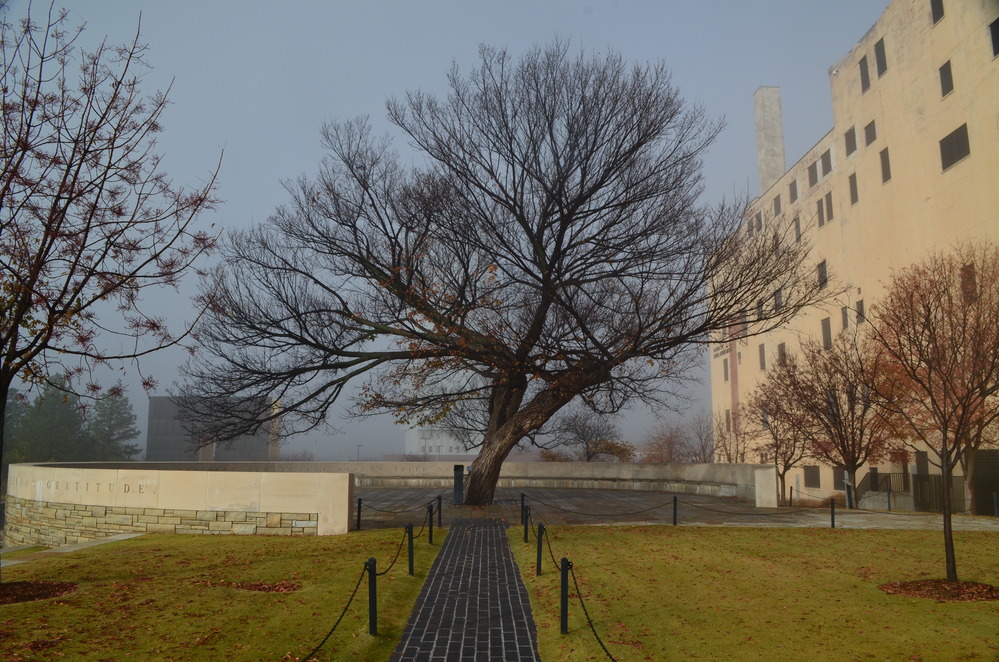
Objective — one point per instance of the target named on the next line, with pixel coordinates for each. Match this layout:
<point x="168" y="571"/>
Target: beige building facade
<point x="910" y="165"/>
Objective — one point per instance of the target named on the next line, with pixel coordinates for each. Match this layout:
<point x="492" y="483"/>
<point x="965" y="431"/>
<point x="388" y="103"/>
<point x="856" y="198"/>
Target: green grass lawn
<point x="167" y="597"/>
<point x="700" y="593"/>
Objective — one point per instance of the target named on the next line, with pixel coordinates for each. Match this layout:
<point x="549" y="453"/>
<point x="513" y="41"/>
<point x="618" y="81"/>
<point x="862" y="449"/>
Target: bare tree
<point x="88" y="220"/>
<point x="782" y="425"/>
<point x="666" y="443"/>
<point x="549" y="248"/>
<point x="938" y="334"/>
<point x="700" y="431"/>
<point x="582" y="436"/>
<point x="733" y="440"/>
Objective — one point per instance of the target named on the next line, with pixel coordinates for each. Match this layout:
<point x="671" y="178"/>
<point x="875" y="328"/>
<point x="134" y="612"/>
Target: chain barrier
<point x="342" y="614"/>
<point x="582" y="604"/>
<point x="551" y="552"/>
<point x="397" y="553"/>
<point x="422" y="528"/>
<point x="392" y="512"/>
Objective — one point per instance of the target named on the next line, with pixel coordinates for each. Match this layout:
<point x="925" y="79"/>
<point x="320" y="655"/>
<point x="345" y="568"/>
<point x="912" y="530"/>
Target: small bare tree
<point x="89" y="223"/>
<point x="937" y="332"/>
<point x="582" y="436"/>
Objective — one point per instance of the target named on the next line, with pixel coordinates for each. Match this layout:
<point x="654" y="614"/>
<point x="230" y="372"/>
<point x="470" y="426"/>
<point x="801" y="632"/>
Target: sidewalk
<point x="474" y="605"/>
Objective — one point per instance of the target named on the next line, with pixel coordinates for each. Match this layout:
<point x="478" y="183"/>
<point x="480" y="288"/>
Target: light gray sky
<point x="257" y="79"/>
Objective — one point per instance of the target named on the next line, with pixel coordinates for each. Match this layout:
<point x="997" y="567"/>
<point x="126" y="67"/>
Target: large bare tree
<point x="89" y="222"/>
<point x="938" y="332"/>
<point x="548" y="245"/>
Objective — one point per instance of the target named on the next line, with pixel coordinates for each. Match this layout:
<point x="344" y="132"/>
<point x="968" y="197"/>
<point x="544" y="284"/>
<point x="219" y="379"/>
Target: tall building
<point x="167" y="441"/>
<point x="910" y="165"/>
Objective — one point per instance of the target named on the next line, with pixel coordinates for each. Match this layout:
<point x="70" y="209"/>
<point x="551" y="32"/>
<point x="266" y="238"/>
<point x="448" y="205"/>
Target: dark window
<point x="850" y="138"/>
<point x="838" y="479"/>
<point x="955" y="147"/>
<point x="994" y="29"/>
<point x="797" y="229"/>
<point x="860" y="312"/>
<point x="865" y="77"/>
<point x="823" y="274"/>
<point x="763" y="357"/>
<point x="872" y="479"/>
<point x="829" y="207"/>
<point x="820" y="209"/>
<point x="792" y="191"/>
<point x="765" y="420"/>
<point x="812" y="477"/>
<point x="885" y="166"/>
<point x="870" y="133"/>
<point x="845" y="313"/>
<point x="879" y="57"/>
<point x="725" y="369"/>
<point x="781" y="354"/>
<point x="813" y="174"/>
<point x="759" y="309"/>
<point x="728" y="420"/>
<point x="826" y="333"/>
<point x="778" y="300"/>
<point x="826" y="162"/>
<point x="936" y="9"/>
<point x="969" y="286"/>
<point x="854" y="197"/>
<point x="777" y="206"/>
<point x="946" y="79"/>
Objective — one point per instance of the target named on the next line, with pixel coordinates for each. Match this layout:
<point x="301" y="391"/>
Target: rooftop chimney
<point x="769" y="136"/>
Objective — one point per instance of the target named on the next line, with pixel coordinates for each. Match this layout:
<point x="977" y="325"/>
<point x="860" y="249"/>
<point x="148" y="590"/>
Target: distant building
<point x="167" y="441"/>
<point x="436" y="444"/>
<point x="910" y="165"/>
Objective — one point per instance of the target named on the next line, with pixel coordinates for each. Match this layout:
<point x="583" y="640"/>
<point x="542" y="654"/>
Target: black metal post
<point x="564" y="596"/>
<point x="832" y="511"/>
<point x="358" y="513"/>
<point x="522" y="505"/>
<point x="409" y="538"/>
<point x="889" y="498"/>
<point x="527" y="519"/>
<point x="995" y="503"/>
<point x="790" y="500"/>
<point x="459" y="484"/>
<point x="372" y="597"/>
<point x="674" y="509"/>
<point x="541" y="534"/>
<point x="430" y="523"/>
<point x="440" y="523"/>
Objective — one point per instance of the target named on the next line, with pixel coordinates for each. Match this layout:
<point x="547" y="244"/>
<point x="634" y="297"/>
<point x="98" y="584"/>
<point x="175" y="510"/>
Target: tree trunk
<point x="486" y="470"/>
<point x="782" y="497"/>
<point x="852" y="488"/>
<point x="946" y="471"/>
<point x="969" y="479"/>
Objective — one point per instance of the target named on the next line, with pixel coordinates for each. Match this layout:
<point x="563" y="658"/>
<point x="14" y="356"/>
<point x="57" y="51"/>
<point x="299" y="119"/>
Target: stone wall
<point x="53" y="524"/>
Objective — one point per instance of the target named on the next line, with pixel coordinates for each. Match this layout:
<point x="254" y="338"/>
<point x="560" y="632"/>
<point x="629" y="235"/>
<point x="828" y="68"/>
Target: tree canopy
<point x="548" y="245"/>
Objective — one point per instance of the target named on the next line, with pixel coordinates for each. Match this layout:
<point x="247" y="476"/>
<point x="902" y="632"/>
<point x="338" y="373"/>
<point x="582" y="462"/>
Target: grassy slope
<point x="689" y="593"/>
<point x="146" y="599"/>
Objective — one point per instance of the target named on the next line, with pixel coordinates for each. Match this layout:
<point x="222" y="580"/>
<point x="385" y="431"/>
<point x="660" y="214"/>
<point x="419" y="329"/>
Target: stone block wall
<point x="52" y="524"/>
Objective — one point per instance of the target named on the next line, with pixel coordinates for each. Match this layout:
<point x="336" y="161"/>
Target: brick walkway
<point x="474" y="605"/>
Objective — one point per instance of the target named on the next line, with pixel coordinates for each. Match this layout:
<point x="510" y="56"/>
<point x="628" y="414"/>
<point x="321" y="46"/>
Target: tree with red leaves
<point x="88" y="220"/>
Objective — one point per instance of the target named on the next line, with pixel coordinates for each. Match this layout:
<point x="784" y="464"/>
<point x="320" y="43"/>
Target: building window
<point x="885" y="166"/>
<point x="879" y="57"/>
<point x="812" y="477"/>
<point x="854" y="197"/>
<point x="826" y="333"/>
<point x="850" y="138"/>
<point x="759" y="309"/>
<point x="829" y="207"/>
<point x="778" y="300"/>
<point x="865" y="76"/>
<point x="994" y="29"/>
<point x="936" y="10"/>
<point x="728" y="420"/>
<point x="763" y="357"/>
<point x="838" y="479"/>
<point x="777" y="206"/>
<point x="792" y="190"/>
<point x="955" y="147"/>
<point x="813" y="174"/>
<point x="820" y="210"/>
<point x="845" y="313"/>
<point x="946" y="79"/>
<point x="870" y="133"/>
<point x="797" y="229"/>
<point x="823" y="274"/>
<point x="860" y="312"/>
<point x="969" y="286"/>
<point x="826" y="162"/>
<point x="725" y="369"/>
<point x="781" y="354"/>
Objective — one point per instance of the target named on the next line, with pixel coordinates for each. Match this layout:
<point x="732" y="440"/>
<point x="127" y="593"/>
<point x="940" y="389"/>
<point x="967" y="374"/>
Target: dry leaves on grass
<point x="15" y="592"/>
<point x="941" y="589"/>
<point x="283" y="586"/>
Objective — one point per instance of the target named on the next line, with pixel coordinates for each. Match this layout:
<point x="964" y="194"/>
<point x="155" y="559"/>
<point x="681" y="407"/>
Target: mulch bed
<point x="943" y="590"/>
<point x="15" y="592"/>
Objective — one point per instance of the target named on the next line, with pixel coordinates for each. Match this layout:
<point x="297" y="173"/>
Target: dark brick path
<point x="474" y="605"/>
